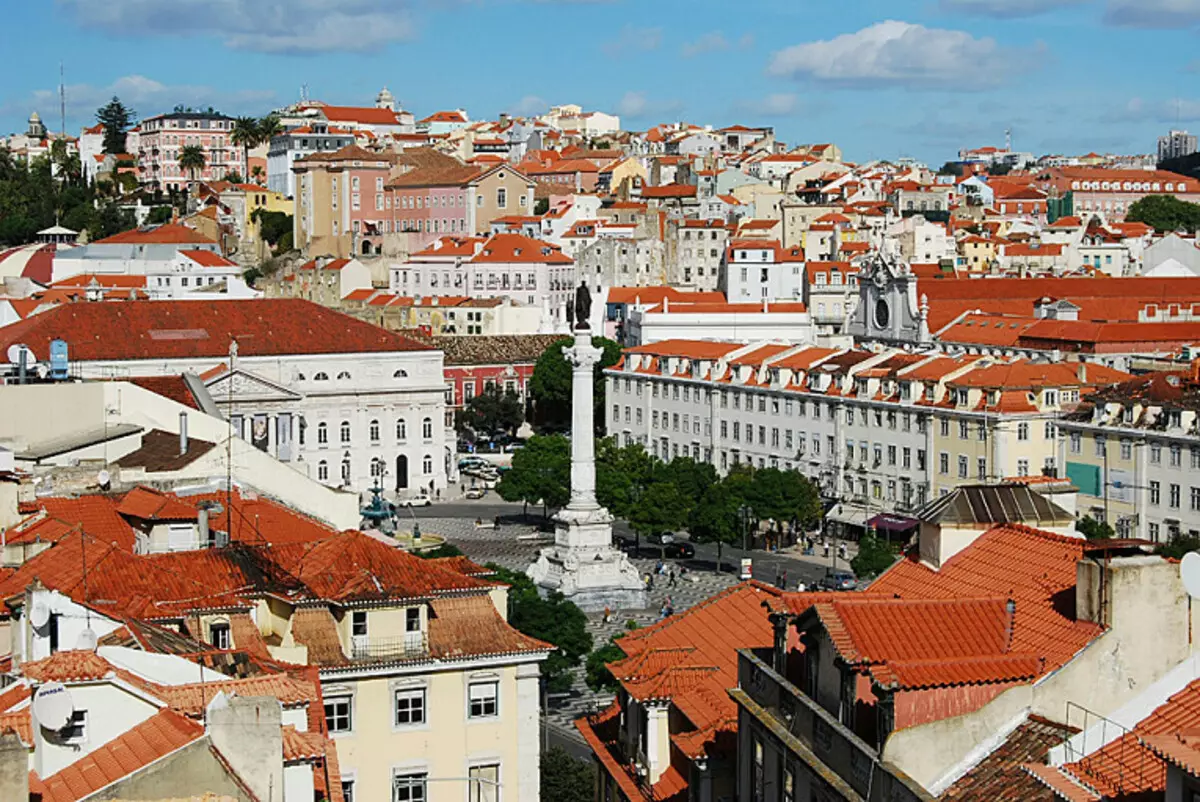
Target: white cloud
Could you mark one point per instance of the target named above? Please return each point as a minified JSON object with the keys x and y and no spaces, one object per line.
{"x":1007,"y":9}
{"x":529,"y":106}
{"x":780,"y":104}
{"x":270,"y":26}
{"x":637,"y":105}
{"x":633,"y":39}
{"x":893,"y":53}
{"x":144,"y":95}
{"x":714,"y":42}
{"x":1161,"y":111}
{"x":1152,"y":13}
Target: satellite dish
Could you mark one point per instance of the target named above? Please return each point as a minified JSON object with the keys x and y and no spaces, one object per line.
{"x":103,"y":479}
{"x":39,"y":615}
{"x":52,"y":706}
{"x":87,"y":641}
{"x":42,"y":371}
{"x":14,"y":354}
{"x":1189,"y":572}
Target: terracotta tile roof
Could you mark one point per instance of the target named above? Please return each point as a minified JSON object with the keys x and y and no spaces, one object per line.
{"x":366,"y":115}
{"x":151,"y":740}
{"x":166,"y":234}
{"x":315,"y":628}
{"x":131,"y":330}
{"x":96,"y":514}
{"x":999,"y":777}
{"x":1062,"y":786}
{"x":246,"y":635}
{"x":191,"y":700}
{"x":1030,"y":566}
{"x":508,"y":247}
{"x":465,"y":626}
{"x":670,"y":191}
{"x":172,"y":387}
{"x":656,"y":294}
{"x":151,"y":505}
{"x":331,"y":264}
{"x":68,"y":666}
{"x":302,"y":746}
{"x":20,"y":723}
{"x":464,"y":566}
{"x":1022,"y":375}
{"x":501,"y":349}
{"x":689,"y":349}
{"x":1181,"y":749}
{"x":208,"y":259}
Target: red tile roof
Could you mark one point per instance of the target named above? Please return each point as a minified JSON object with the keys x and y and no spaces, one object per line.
{"x":130,"y":330}
{"x":509,"y":247}
{"x":363,"y":115}
{"x":656,"y":294}
{"x":166,"y":234}
{"x":153,"y":739}
{"x":689,"y":349}
{"x":670,"y":191}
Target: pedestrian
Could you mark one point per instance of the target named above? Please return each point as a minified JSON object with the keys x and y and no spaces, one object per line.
{"x":783,"y":581}
{"x":658,"y":567}
{"x":438,"y":495}
{"x":607,"y":614}
{"x":842,"y":550}
{"x":826,"y":547}
{"x":496,"y":523}
{"x":671,"y":579}
{"x":800,"y":587}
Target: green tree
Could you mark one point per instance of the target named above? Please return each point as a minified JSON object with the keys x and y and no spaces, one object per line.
{"x":550,"y":385}
{"x":1092,"y":529}
{"x":540,"y":474}
{"x":714,"y":518}
{"x":951,"y":168}
{"x":541,"y":206}
{"x":160,"y":214}
{"x":1165,"y":213}
{"x":245,"y":135}
{"x":693,"y":479}
{"x":444,"y":550}
{"x":875,"y":556}
{"x":268,"y":127}
{"x":565,"y":779}
{"x":552,"y":619}
{"x":1178,"y":546}
{"x":597,"y":675}
{"x":273,"y":227}
{"x":999,"y":169}
{"x":783,"y":497}
{"x":622,"y":473}
{"x":117,"y":119}
{"x":234,"y":177}
{"x":491,"y":412}
{"x":258,"y":174}
{"x":192,"y":159}
{"x":660,"y":508}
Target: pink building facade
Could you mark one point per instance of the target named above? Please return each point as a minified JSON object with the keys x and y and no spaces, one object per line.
{"x":162,"y":138}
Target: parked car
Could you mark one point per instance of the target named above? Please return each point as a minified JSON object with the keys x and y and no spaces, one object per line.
{"x":671,"y":545}
{"x":419,"y":501}
{"x":837,"y":580}
{"x":476,"y":492}
{"x":472,"y":462}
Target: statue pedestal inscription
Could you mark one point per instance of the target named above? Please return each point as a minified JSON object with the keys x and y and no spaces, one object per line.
{"x":582,"y":564}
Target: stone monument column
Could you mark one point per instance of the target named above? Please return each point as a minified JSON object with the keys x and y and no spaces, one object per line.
{"x":582,"y":564}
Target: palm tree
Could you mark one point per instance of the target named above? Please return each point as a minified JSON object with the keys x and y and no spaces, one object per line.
{"x":245,"y":135}
{"x":268,"y":127}
{"x":191,"y":158}
{"x":257,"y":173}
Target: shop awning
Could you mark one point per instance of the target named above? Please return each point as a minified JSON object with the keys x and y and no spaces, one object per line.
{"x":848,"y":514}
{"x":892,"y":523}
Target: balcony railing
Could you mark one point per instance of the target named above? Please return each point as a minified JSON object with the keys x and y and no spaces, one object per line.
{"x":411,"y":646}
{"x":782,"y":707}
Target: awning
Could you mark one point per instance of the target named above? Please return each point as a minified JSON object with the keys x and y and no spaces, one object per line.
{"x":848,"y":514}
{"x":892,"y":523}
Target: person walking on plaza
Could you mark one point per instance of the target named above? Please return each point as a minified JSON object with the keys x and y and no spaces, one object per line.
{"x":671,"y":578}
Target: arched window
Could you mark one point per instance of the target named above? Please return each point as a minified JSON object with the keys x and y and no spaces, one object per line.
{"x":322,"y":471}
{"x":346,"y":471}
{"x":345,"y":374}
{"x":427,"y":465}
{"x":299,"y":377}
{"x":376,"y":468}
{"x":322,"y":433}
{"x":345,"y":431}
{"x":374,"y":430}
{"x":401,"y":430}
{"x":427,"y":428}
{"x":321,"y":377}
{"x":400,"y":374}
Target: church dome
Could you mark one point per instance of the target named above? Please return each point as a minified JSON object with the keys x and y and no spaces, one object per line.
{"x":385,"y":99}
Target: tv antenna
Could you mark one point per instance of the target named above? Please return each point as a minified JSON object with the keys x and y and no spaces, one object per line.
{"x":62,"y":100}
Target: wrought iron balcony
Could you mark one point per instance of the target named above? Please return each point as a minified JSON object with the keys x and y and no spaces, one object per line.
{"x":410,"y":646}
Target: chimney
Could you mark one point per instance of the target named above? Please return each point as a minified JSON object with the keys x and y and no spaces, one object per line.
{"x":247,"y":731}
{"x":1081,"y":372}
{"x":1010,"y":611}
{"x":183,"y":433}
{"x":779,"y":625}
{"x":14,"y":768}
{"x":202,"y":532}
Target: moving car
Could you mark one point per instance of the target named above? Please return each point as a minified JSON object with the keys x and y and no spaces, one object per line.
{"x":476,"y":492}
{"x":837,"y":580}
{"x":419,"y":501}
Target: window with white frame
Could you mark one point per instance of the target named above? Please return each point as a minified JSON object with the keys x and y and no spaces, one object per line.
{"x":485,"y":783}
{"x":218,"y":635}
{"x":483,"y":699}
{"x":409,"y":707}
{"x":339,"y":713}
{"x":409,"y":787}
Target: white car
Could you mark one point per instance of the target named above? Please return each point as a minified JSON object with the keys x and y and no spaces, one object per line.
{"x":419,"y":501}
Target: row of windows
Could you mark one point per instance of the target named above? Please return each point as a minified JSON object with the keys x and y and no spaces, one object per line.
{"x":410,"y":706}
{"x":378,"y":467}
{"x":1174,"y":452}
{"x":981,"y":466}
{"x":1173,"y":496}
{"x":322,"y":376}
{"x":373,"y":431}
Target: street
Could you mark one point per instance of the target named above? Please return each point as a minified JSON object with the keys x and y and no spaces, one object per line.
{"x":767,"y":566}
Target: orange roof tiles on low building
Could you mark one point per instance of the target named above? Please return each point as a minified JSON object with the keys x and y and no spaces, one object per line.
{"x":166,"y":234}
{"x":509,"y":247}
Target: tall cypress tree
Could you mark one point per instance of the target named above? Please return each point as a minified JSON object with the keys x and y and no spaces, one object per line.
{"x":116,"y":119}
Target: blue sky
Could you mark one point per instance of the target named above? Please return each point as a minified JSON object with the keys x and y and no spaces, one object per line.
{"x":882,"y":78}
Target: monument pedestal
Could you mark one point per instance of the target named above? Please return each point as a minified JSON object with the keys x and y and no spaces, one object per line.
{"x":584,"y":567}
{"x":582,"y":564}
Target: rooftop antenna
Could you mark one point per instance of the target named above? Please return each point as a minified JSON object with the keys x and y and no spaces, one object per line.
{"x":1008,"y":139}
{"x":62,"y":99}
{"x":304,"y":93}
{"x":233,"y":352}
